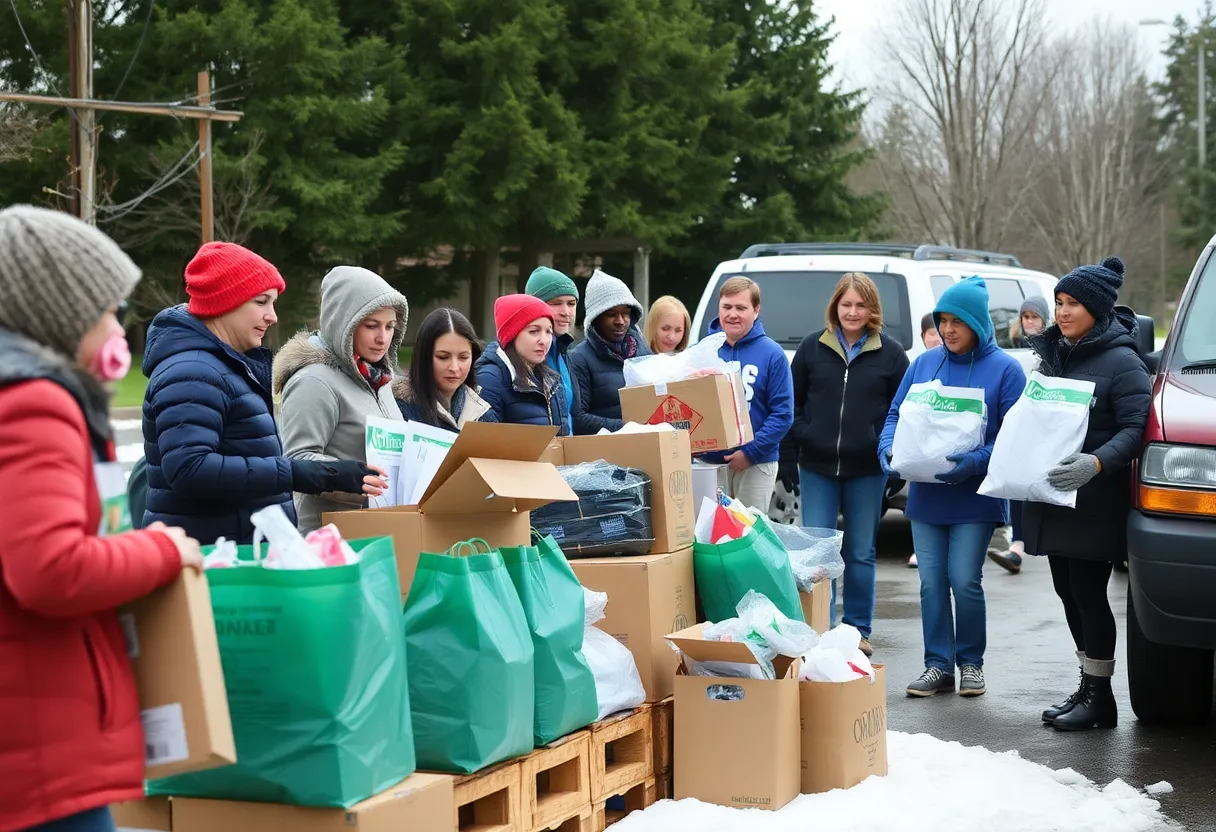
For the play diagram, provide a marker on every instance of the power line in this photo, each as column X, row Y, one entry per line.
column 138, row 48
column 176, row 173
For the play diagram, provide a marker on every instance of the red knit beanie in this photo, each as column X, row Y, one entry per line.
column 222, row 276
column 513, row 313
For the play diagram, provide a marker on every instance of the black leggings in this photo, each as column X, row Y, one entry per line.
column 1081, row 585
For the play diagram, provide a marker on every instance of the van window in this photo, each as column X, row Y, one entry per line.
column 940, row 283
column 1196, row 334
column 1004, row 306
column 792, row 304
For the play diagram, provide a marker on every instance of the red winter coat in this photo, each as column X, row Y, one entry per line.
column 70, row 734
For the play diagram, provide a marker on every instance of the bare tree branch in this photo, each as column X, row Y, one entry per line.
column 18, row 130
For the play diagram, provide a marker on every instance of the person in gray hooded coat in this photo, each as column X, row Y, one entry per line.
column 330, row 381
column 611, row 337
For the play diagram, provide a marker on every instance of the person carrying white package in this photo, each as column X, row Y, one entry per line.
column 951, row 523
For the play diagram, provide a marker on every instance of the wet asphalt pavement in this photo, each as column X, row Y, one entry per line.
column 1030, row 666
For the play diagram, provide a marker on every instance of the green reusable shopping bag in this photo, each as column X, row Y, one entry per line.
column 758, row 560
column 552, row 599
column 314, row 664
column 472, row 687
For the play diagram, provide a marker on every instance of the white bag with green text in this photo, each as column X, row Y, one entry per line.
column 936, row 422
column 1047, row 423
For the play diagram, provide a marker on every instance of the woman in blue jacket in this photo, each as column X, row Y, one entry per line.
column 951, row 523
column 213, row 451
column 512, row 375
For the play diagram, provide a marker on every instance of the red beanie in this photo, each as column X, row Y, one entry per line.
column 513, row 313
column 222, row 276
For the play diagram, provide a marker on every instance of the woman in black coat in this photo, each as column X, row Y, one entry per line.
column 1092, row 340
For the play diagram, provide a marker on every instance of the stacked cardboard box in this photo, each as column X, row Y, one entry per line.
column 713, row 409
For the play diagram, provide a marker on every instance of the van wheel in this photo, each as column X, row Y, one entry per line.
column 1168, row 684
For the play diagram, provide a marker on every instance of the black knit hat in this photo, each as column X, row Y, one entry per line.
column 1096, row 287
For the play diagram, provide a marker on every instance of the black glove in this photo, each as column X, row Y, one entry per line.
column 316, row 477
column 787, row 475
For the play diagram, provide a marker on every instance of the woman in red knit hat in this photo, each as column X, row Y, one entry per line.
column 214, row 456
column 514, row 379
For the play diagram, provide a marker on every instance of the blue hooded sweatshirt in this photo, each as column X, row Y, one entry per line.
column 770, row 392
column 987, row 367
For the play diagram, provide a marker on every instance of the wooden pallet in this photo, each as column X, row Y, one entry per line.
column 491, row 800
column 557, row 785
column 636, row 799
column 663, row 714
column 622, row 753
column 664, row 786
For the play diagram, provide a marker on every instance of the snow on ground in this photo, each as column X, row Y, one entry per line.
column 933, row 783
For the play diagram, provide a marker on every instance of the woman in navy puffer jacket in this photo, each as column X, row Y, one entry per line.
column 213, row 451
column 515, row 381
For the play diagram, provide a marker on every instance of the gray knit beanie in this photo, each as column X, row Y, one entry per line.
column 605, row 292
column 58, row 276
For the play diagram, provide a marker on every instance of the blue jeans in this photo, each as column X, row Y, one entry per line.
column 950, row 560
column 94, row 820
column 859, row 501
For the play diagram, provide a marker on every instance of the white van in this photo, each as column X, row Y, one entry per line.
column 796, row 280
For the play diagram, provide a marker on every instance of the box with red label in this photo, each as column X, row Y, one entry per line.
column 713, row 409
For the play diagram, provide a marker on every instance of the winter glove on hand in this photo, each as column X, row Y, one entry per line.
column 1073, row 472
column 966, row 466
column 787, row 475
column 884, row 459
column 317, row 477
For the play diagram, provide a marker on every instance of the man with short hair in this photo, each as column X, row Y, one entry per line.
column 559, row 291
column 769, row 385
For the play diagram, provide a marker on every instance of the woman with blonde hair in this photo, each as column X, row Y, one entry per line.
column 668, row 326
column 845, row 376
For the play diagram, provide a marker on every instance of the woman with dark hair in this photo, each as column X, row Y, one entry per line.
column 438, row 391
column 515, row 381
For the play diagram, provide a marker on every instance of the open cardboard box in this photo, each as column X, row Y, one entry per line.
column 736, row 740
column 713, row 409
column 491, row 478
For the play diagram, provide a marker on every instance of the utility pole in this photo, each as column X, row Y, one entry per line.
column 205, row 180
column 1203, row 103
column 84, row 134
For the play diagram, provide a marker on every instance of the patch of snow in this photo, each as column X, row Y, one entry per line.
column 930, row 778
column 126, row 424
column 129, row 454
column 1164, row 787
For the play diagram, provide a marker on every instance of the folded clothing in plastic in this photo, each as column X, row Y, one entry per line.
column 611, row 517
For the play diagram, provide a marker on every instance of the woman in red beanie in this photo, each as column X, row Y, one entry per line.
column 213, row 450
column 514, row 379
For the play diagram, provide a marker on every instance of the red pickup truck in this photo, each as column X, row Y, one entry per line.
column 1171, row 600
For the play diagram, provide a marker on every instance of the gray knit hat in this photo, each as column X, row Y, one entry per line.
column 58, row 276
column 605, row 292
column 1038, row 305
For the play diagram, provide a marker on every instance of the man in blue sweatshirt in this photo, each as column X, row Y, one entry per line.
column 770, row 392
column 951, row 522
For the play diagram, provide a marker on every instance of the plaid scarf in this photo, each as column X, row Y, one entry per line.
column 376, row 375
column 624, row 349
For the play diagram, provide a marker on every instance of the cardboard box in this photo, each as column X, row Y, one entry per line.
column 148, row 815
column 741, row 751
column 183, row 703
column 649, row 596
column 844, row 732
column 713, row 409
column 488, row 482
column 420, row 803
column 817, row 606
column 665, row 455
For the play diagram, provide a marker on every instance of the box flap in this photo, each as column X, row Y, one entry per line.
column 498, row 485
column 694, row 645
column 492, row 440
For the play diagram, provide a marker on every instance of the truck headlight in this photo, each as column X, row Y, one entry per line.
column 1178, row 479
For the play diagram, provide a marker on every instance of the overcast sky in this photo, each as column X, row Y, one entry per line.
column 856, row 22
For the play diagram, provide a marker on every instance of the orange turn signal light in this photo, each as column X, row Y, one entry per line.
column 1177, row 501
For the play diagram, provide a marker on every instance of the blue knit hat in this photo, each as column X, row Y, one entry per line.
column 1095, row 287
column 967, row 300
column 546, row 283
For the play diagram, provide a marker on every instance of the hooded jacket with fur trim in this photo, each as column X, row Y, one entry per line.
column 325, row 401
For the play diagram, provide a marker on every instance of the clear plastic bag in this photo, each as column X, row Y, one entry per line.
column 765, row 630
column 700, row 358
column 618, row 685
column 814, row 553
column 612, row 515
column 936, row 422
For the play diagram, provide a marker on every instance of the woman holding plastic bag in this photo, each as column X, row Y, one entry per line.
column 1092, row 340
column 845, row 377
column 951, row 523
column 72, row 741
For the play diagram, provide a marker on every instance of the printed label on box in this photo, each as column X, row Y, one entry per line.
column 677, row 414
column 127, row 620
column 164, row 734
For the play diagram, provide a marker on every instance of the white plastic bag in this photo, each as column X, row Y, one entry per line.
column 936, row 422
column 836, row 658
column 1047, row 423
column 765, row 630
column 618, row 685
column 288, row 549
column 701, row 357
column 814, row 553
column 223, row 556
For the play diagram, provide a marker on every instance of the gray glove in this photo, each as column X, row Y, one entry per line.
column 1073, row 472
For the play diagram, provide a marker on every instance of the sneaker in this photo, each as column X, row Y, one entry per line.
column 1010, row 561
column 912, row 562
column 866, row 647
column 972, row 683
column 933, row 681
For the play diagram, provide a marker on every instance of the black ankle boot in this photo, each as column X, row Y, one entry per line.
column 1096, row 707
column 1056, row 711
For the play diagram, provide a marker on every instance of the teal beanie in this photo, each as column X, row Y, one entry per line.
column 967, row 300
column 546, row 283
